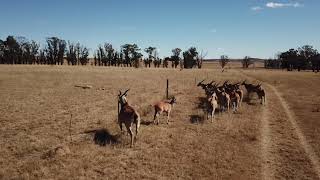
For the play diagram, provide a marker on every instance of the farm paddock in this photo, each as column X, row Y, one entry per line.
column 280, row 140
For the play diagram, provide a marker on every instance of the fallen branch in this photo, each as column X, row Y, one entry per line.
column 84, row 86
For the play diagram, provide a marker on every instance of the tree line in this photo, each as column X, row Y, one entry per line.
column 303, row 58
column 56, row 51
column 19, row 50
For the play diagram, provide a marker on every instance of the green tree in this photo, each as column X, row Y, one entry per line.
column 150, row 51
column 55, row 50
column 306, row 52
column 175, row 58
column 289, row 59
column 109, row 53
column 189, row 57
column 131, row 54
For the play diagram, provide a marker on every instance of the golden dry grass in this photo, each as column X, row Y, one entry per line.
column 36, row 103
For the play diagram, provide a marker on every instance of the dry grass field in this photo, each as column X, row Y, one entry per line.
column 277, row 141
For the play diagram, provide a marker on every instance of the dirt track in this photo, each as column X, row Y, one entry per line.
column 285, row 151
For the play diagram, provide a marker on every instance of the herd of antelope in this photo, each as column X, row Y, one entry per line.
column 228, row 95
column 222, row 97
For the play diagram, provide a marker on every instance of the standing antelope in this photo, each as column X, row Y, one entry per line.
column 262, row 94
column 235, row 100
column 239, row 91
column 249, row 87
column 223, row 99
column 163, row 106
column 128, row 115
column 213, row 105
column 257, row 89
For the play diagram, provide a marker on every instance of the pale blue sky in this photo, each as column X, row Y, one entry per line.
column 237, row 28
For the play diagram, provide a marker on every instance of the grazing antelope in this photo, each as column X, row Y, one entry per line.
column 128, row 115
column 213, row 105
column 163, row 106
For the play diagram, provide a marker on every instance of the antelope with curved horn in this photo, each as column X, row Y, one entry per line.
column 257, row 89
column 128, row 115
column 201, row 84
column 249, row 87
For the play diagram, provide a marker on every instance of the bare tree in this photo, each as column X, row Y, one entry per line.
column 246, row 62
column 200, row 58
column 224, row 60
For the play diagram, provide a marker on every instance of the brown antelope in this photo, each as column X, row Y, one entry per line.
column 261, row 94
column 213, row 102
column 257, row 89
column 240, row 92
column 249, row 87
column 163, row 106
column 235, row 94
column 223, row 99
column 128, row 115
column 235, row 100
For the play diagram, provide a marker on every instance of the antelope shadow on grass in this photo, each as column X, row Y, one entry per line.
column 102, row 137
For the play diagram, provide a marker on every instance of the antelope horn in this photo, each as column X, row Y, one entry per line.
column 211, row 82
column 125, row 93
column 202, row 81
column 225, row 82
column 120, row 93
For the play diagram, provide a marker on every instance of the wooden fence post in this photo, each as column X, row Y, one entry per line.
column 167, row 92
